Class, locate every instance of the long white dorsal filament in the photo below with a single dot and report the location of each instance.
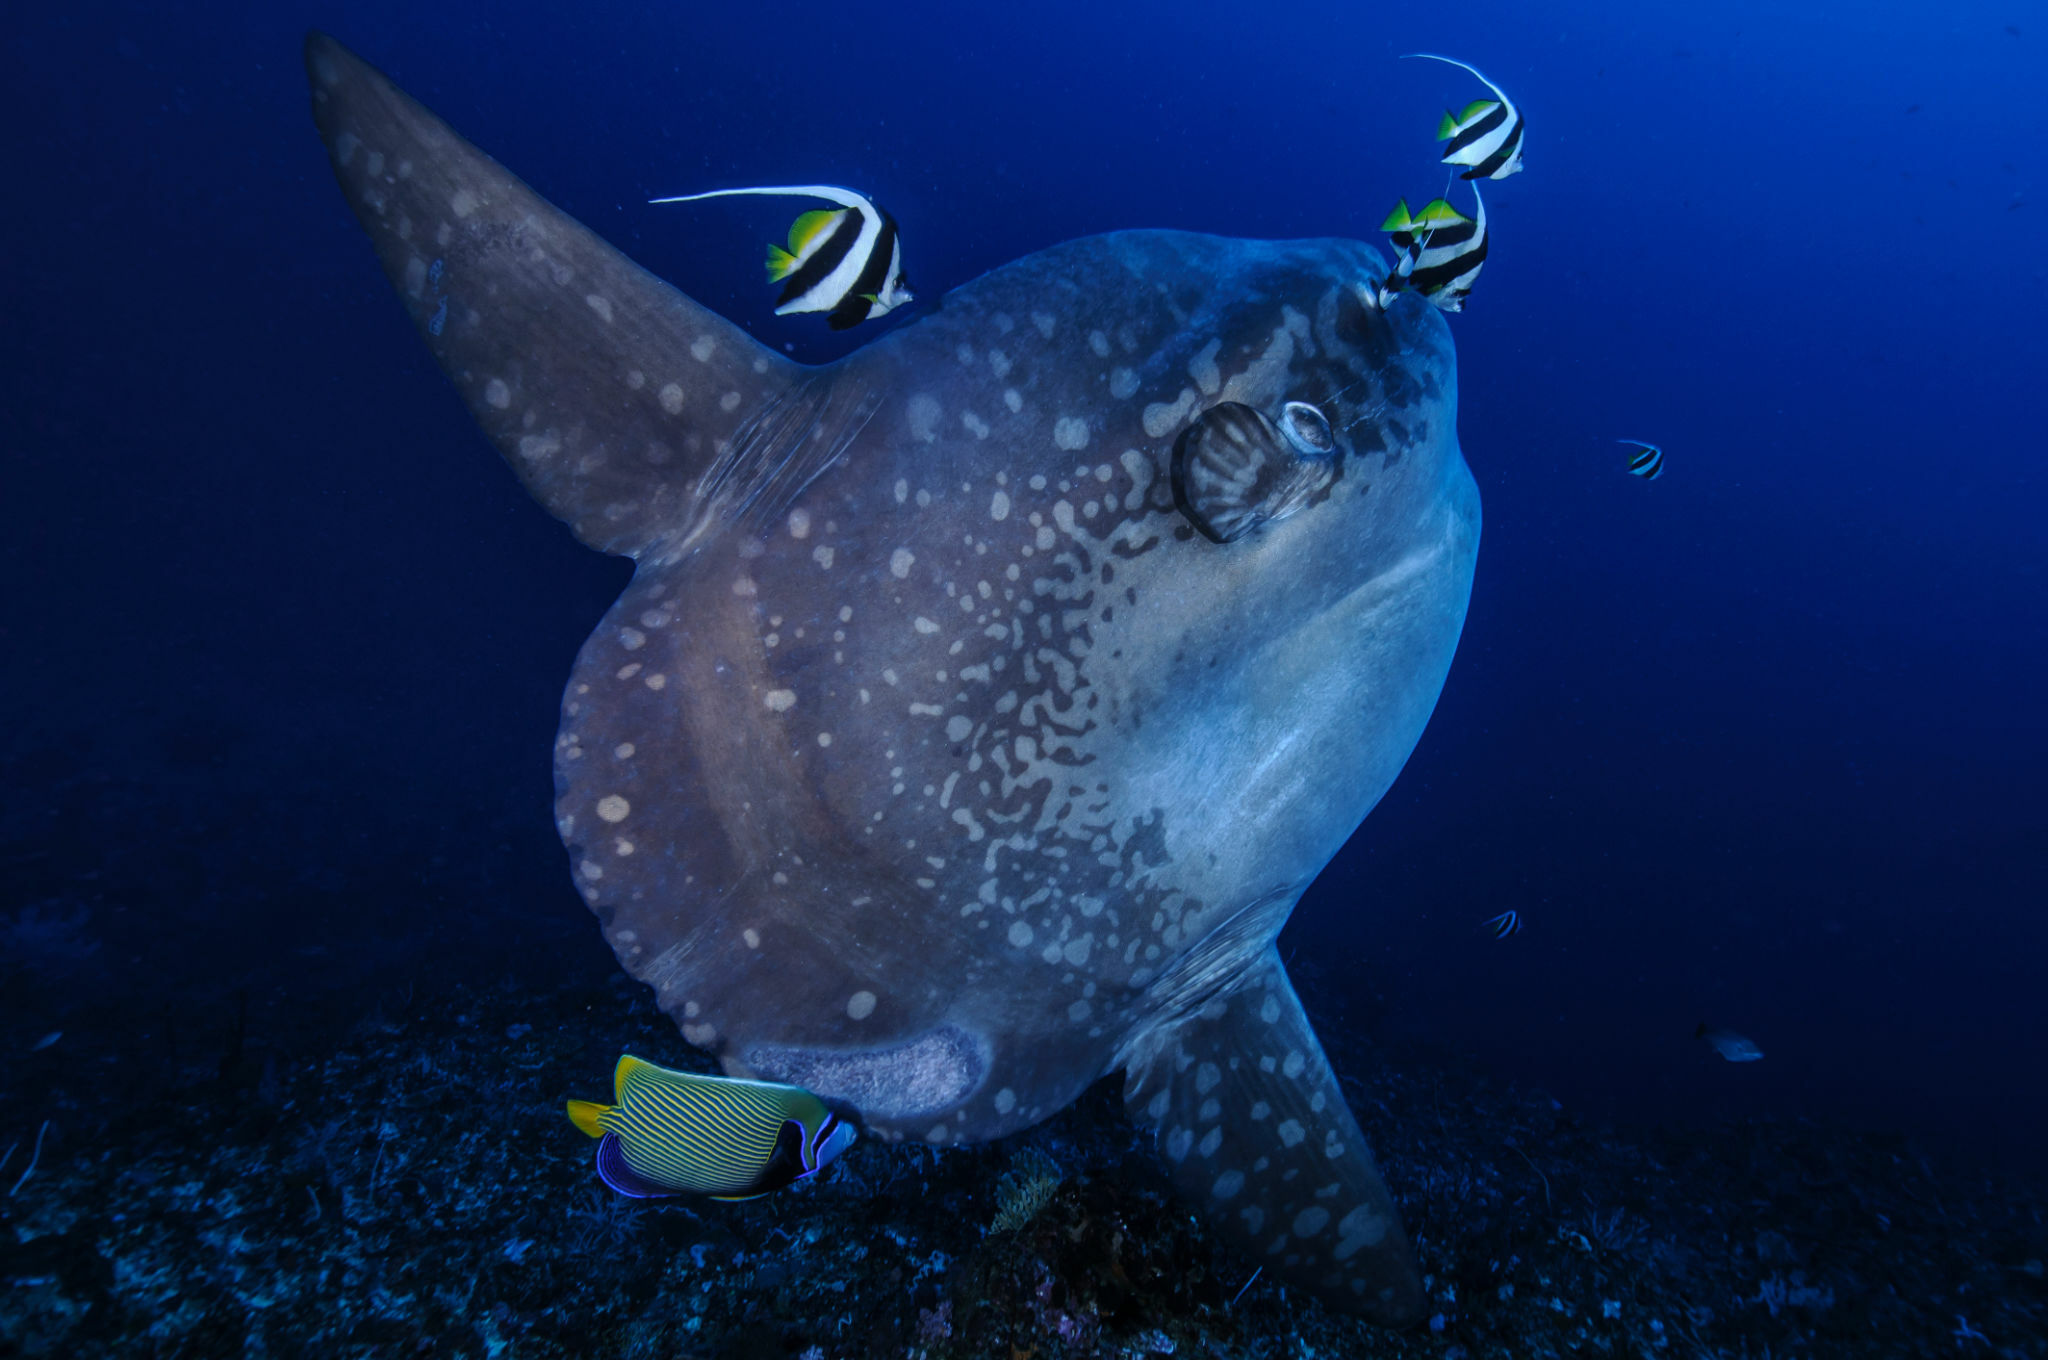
(845, 198)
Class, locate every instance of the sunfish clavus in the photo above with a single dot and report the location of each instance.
(982, 702)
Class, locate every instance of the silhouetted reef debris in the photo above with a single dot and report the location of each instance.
(419, 1192)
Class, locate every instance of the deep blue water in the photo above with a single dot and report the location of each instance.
(1759, 744)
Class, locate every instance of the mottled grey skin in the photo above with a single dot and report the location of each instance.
(931, 760)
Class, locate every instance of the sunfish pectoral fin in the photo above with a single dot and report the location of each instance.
(1255, 1131)
(608, 391)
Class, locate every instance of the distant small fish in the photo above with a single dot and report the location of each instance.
(681, 1133)
(1646, 462)
(48, 1040)
(1438, 251)
(847, 262)
(1504, 925)
(1486, 136)
(1730, 1045)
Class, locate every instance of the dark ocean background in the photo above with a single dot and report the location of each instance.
(1760, 744)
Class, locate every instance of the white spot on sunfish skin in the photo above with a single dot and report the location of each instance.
(999, 363)
(538, 445)
(1070, 432)
(900, 563)
(463, 203)
(1293, 1064)
(415, 276)
(1122, 383)
(924, 625)
(729, 402)
(780, 700)
(624, 750)
(702, 348)
(799, 523)
(497, 394)
(1211, 1140)
(1159, 1105)
(958, 726)
(1013, 399)
(1020, 934)
(860, 1005)
(671, 397)
(1311, 1221)
(635, 379)
(632, 639)
(656, 681)
(601, 305)
(1162, 416)
(924, 416)
(613, 808)
(1270, 1011)
(1206, 1078)
(824, 739)
(1099, 342)
(1045, 322)
(1359, 1228)
(822, 556)
(1006, 1100)
(1079, 1011)
(999, 506)
(976, 426)
(1291, 1132)
(1227, 1185)
(752, 937)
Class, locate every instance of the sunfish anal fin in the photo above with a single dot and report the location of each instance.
(610, 393)
(1253, 1128)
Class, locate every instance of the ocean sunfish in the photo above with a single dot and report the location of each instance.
(983, 702)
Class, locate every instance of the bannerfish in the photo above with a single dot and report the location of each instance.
(982, 702)
(684, 1133)
(1486, 136)
(1646, 462)
(847, 261)
(1505, 924)
(1730, 1045)
(1440, 251)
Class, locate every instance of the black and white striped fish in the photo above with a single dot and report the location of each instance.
(1487, 136)
(1646, 462)
(681, 1133)
(1503, 925)
(1439, 251)
(846, 261)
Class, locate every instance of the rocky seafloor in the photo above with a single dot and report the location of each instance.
(416, 1190)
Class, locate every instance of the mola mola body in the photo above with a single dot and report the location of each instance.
(983, 702)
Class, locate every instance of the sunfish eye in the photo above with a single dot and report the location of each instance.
(1235, 469)
(1307, 429)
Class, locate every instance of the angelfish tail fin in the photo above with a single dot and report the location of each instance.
(585, 1114)
(1255, 1131)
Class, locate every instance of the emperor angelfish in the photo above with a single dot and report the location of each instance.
(1440, 251)
(1646, 462)
(846, 261)
(1486, 136)
(682, 1133)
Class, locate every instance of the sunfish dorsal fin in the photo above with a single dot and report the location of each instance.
(1254, 1128)
(607, 391)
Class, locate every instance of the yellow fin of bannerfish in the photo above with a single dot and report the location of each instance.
(584, 1114)
(1398, 219)
(810, 226)
(1439, 214)
(781, 264)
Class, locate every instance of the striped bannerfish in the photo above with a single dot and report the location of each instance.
(681, 1133)
(1440, 251)
(1504, 925)
(1487, 136)
(1646, 462)
(848, 261)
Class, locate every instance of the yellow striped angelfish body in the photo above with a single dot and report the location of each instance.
(684, 1133)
